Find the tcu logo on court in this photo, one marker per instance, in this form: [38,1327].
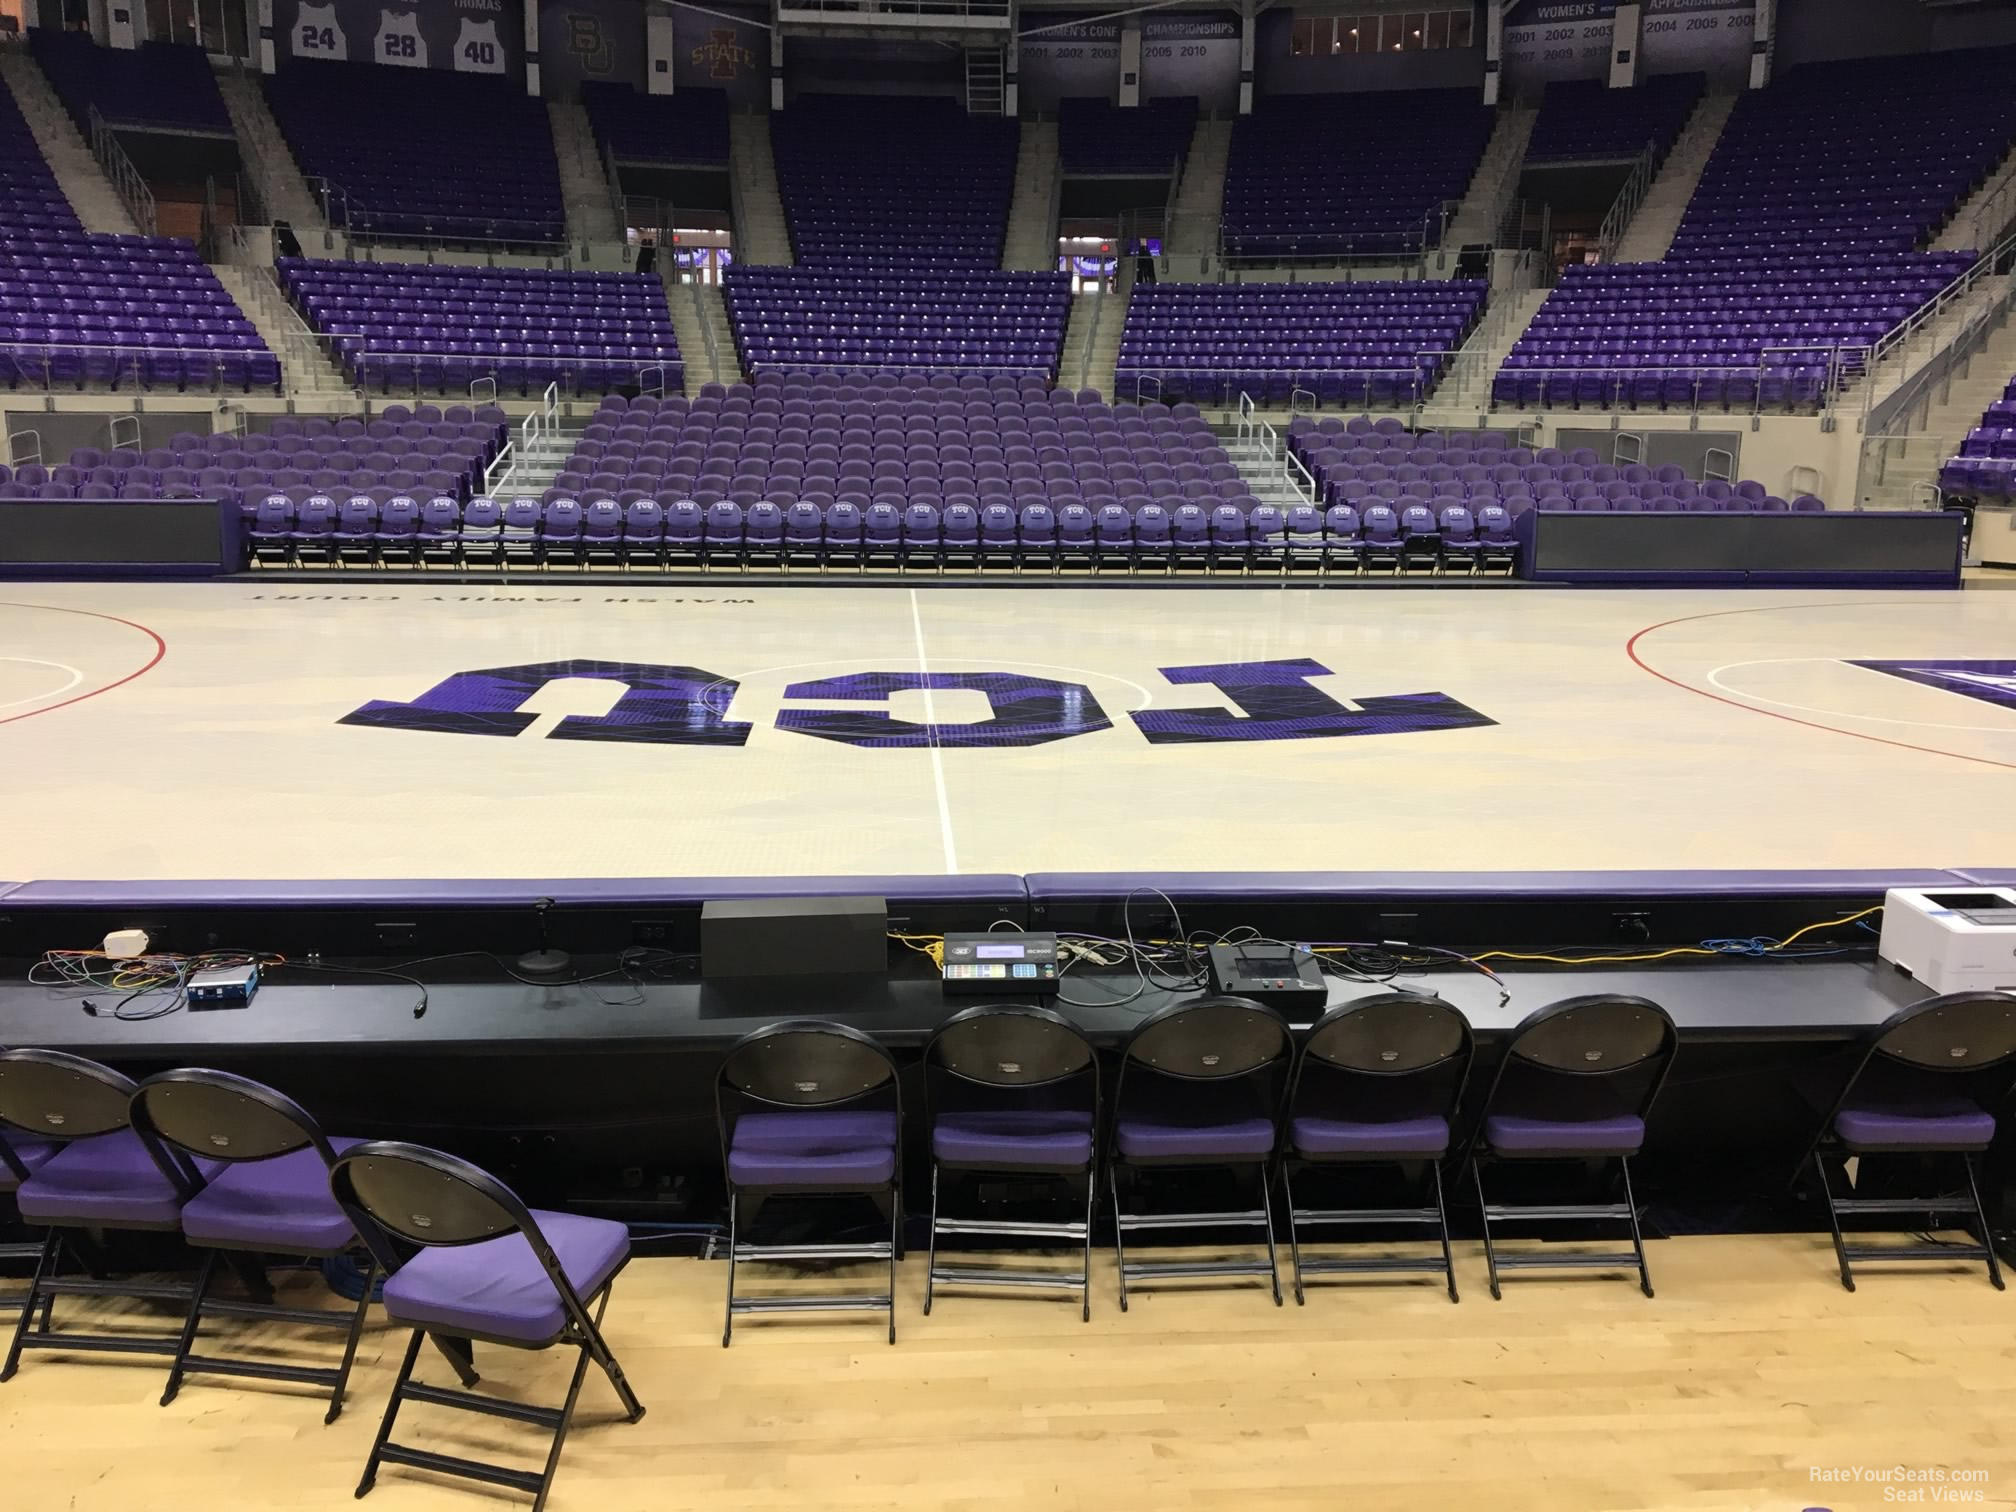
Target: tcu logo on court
[1269,700]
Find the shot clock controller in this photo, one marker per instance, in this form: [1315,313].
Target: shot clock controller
[1001,962]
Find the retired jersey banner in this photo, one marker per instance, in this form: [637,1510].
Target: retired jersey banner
[466,36]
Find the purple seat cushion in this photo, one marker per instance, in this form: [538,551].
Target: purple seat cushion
[814,1148]
[1938,1123]
[1614,1134]
[1424,1134]
[108,1178]
[499,1288]
[282,1204]
[30,1151]
[1034,1138]
[1154,1139]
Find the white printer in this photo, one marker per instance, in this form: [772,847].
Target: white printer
[1953,939]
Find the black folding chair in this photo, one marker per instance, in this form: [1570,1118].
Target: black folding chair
[1378,1082]
[1577,1082]
[1012,1091]
[1199,1087]
[467,1262]
[810,1109]
[1928,1082]
[106,1175]
[271,1198]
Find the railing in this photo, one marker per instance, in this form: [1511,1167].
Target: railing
[1993,218]
[614,180]
[1910,405]
[1629,198]
[125,178]
[442,232]
[182,369]
[1921,320]
[918,12]
[738,212]
[306,349]
[123,431]
[1225,385]
[706,324]
[436,372]
[1086,347]
[1268,454]
[1907,456]
[24,448]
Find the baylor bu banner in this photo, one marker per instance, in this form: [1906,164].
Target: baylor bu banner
[1270,700]
[468,36]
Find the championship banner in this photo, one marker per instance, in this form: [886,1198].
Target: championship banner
[1192,53]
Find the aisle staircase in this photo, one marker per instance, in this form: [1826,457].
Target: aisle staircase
[69,156]
[762,235]
[1657,222]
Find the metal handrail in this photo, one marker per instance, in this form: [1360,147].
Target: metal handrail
[1911,403]
[1091,339]
[1939,304]
[706,331]
[441,230]
[24,448]
[125,178]
[613,179]
[386,368]
[114,364]
[1630,196]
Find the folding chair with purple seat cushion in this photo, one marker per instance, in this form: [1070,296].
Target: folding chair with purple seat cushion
[466,1261]
[1578,1079]
[811,1110]
[21,1156]
[1012,1091]
[107,1174]
[1378,1082]
[271,1197]
[1199,1087]
[1929,1081]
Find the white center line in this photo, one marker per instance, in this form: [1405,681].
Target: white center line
[937,756]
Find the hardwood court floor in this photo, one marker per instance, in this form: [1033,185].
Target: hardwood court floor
[1750,1371]
[152,731]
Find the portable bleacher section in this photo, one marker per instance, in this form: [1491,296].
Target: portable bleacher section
[1350,174]
[912,318]
[162,86]
[411,327]
[1097,137]
[900,182]
[414,152]
[1346,343]
[690,127]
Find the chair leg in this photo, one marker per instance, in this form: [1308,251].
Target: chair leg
[391,1413]
[1981,1224]
[1267,1214]
[459,1353]
[1294,1234]
[633,1410]
[1637,1237]
[560,1433]
[895,1252]
[1119,1234]
[45,1266]
[728,1322]
[931,1243]
[189,1326]
[1484,1216]
[1441,1217]
[350,1343]
[1085,1294]
[1834,1221]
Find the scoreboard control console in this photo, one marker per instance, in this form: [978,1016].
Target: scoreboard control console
[1006,961]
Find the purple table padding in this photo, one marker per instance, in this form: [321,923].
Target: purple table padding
[466,893]
[1266,886]
[1987,876]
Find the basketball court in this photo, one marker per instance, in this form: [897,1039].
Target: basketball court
[254,730]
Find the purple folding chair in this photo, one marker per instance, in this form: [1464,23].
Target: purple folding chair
[1199,1086]
[1928,1082]
[106,1174]
[271,1197]
[809,1109]
[1378,1082]
[1577,1081]
[1012,1091]
[488,1269]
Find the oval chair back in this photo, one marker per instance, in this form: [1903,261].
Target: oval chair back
[803,1063]
[63,1097]
[425,1197]
[219,1116]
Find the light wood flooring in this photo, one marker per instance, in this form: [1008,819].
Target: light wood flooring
[1750,1370]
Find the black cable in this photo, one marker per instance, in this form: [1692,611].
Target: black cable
[419,1008]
